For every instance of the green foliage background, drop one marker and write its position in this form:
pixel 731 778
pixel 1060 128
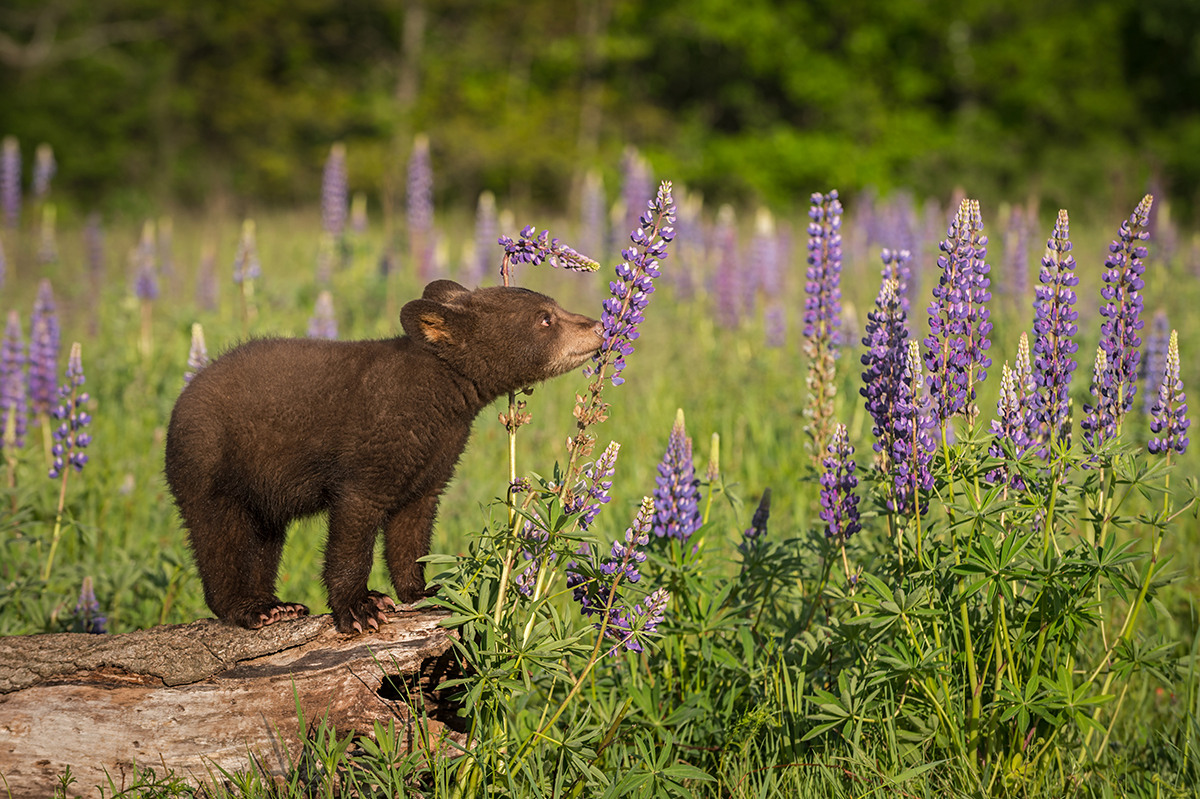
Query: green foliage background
pixel 756 100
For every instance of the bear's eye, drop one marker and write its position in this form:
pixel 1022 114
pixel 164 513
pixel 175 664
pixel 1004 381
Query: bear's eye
pixel 547 320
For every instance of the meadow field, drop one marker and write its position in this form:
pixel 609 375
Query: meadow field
pixel 974 649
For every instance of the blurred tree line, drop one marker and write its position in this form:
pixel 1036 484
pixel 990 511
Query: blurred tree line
pixel 198 101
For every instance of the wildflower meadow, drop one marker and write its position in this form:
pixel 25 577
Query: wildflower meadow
pixel 858 498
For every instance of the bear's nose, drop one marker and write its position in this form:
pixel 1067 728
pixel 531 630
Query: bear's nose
pixel 598 329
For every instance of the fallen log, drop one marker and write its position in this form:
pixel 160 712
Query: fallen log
pixel 197 697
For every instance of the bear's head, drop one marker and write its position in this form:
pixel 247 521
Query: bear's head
pixel 501 338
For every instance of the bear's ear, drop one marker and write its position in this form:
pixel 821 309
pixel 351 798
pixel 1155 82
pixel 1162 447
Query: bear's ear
pixel 444 291
pixel 430 322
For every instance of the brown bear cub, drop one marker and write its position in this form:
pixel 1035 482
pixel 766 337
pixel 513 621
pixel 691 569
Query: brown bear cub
pixel 369 431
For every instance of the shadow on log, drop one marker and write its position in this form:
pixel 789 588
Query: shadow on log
pixel 197 696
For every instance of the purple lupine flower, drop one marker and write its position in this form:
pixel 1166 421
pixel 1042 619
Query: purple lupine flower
pixel 823 308
pixel 764 258
pixel 13 402
pixel 530 249
pixel 44 167
pixel 1156 359
pixel 1119 334
pixel 912 448
pixel 69 439
pixel 535 538
pixel 10 181
pixel 631 291
pixel 958 318
pixel 323 324
pixel 628 627
pixel 592 231
pixel 727 281
pixel 599 475
pixel 1054 329
pixel 677 497
pixel 246 265
pixel 3 265
pixel 44 344
pixel 1016 253
pixel 419 206
pixel 592 593
pixel 88 618
pixel 485 236
pixel 334 192
pixel 897 265
pixel 197 355
pixel 822 315
pixel 1099 418
pixel 1168 417
pixel 839 502
pixel 887 334
pixel 146 283
pixel 758 522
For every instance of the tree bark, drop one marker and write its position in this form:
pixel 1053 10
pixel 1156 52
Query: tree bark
pixel 202 696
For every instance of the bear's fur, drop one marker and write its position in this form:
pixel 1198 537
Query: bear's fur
pixel 369 431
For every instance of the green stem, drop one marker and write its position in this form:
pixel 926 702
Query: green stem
pixel 62 501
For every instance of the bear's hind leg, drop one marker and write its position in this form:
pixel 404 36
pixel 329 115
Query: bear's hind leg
pixel 238 559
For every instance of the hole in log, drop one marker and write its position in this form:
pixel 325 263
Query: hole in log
pixel 400 687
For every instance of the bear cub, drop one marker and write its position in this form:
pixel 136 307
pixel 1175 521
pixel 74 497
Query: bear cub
pixel 369 431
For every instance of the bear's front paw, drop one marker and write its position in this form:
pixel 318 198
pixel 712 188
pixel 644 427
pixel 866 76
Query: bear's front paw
pixel 368 613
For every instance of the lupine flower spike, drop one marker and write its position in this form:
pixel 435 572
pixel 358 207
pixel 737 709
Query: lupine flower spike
pixel 631 291
pixel 628 626
pixel 1054 329
pixel 334 191
pixel 913 446
pixel 197 355
pixel 887 334
pixel 529 248
pixel 677 498
pixel 1119 338
pixel 822 315
pixel 839 503
pixel 1009 426
pixel 70 440
pixel 1169 421
pixel 956 348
